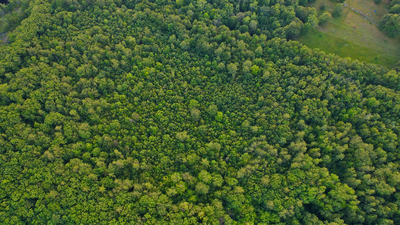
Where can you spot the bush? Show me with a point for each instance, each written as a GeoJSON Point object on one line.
{"type": "Point", "coordinates": [303, 2]}
{"type": "Point", "coordinates": [377, 1]}
{"type": "Point", "coordinates": [324, 17]}
{"type": "Point", "coordinates": [337, 11]}
{"type": "Point", "coordinates": [322, 7]}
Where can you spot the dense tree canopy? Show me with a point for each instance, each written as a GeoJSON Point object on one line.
{"type": "Point", "coordinates": [187, 112]}
{"type": "Point", "coordinates": [390, 23]}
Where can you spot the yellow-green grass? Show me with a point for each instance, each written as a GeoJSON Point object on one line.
{"type": "Point", "coordinates": [344, 48]}
{"type": "Point", "coordinates": [317, 5]}
{"type": "Point", "coordinates": [367, 7]}
{"type": "Point", "coordinates": [353, 36]}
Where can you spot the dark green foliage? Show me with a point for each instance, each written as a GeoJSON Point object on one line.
{"type": "Point", "coordinates": [12, 14]}
{"type": "Point", "coordinates": [337, 10]}
{"type": "Point", "coordinates": [395, 9]}
{"type": "Point", "coordinates": [303, 2]}
{"type": "Point", "coordinates": [397, 67]}
{"type": "Point", "coordinates": [131, 112]}
{"type": "Point", "coordinates": [390, 23]}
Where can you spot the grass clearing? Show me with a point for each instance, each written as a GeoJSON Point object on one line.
{"type": "Point", "coordinates": [354, 36]}
{"type": "Point", "coordinates": [368, 7]}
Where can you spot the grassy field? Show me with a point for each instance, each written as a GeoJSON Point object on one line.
{"type": "Point", "coordinates": [353, 36]}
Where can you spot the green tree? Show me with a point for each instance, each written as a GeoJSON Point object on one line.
{"type": "Point", "coordinates": [195, 114]}
{"type": "Point", "coordinates": [232, 69]}
{"type": "Point", "coordinates": [212, 110]}
{"type": "Point", "coordinates": [324, 18]}
{"type": "Point", "coordinates": [202, 188]}
{"type": "Point", "coordinates": [337, 10]}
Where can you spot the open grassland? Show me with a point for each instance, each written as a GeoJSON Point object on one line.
{"type": "Point", "coordinates": [368, 8]}
{"type": "Point", "coordinates": [354, 36]}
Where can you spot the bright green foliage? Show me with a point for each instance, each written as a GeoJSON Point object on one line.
{"type": "Point", "coordinates": [324, 18]}
{"type": "Point", "coordinates": [131, 112]}
{"type": "Point", "coordinates": [232, 69]}
{"type": "Point", "coordinates": [255, 69]}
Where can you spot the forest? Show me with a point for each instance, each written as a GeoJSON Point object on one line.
{"type": "Point", "coordinates": [390, 23]}
{"type": "Point", "coordinates": [189, 112]}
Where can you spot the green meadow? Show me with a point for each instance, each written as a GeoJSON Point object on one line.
{"type": "Point", "coordinates": [352, 35]}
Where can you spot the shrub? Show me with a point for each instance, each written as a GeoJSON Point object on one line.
{"type": "Point", "coordinates": [337, 11]}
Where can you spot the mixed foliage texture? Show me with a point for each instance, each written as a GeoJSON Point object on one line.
{"type": "Point", "coordinates": [390, 23]}
{"type": "Point", "coordinates": [189, 112]}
